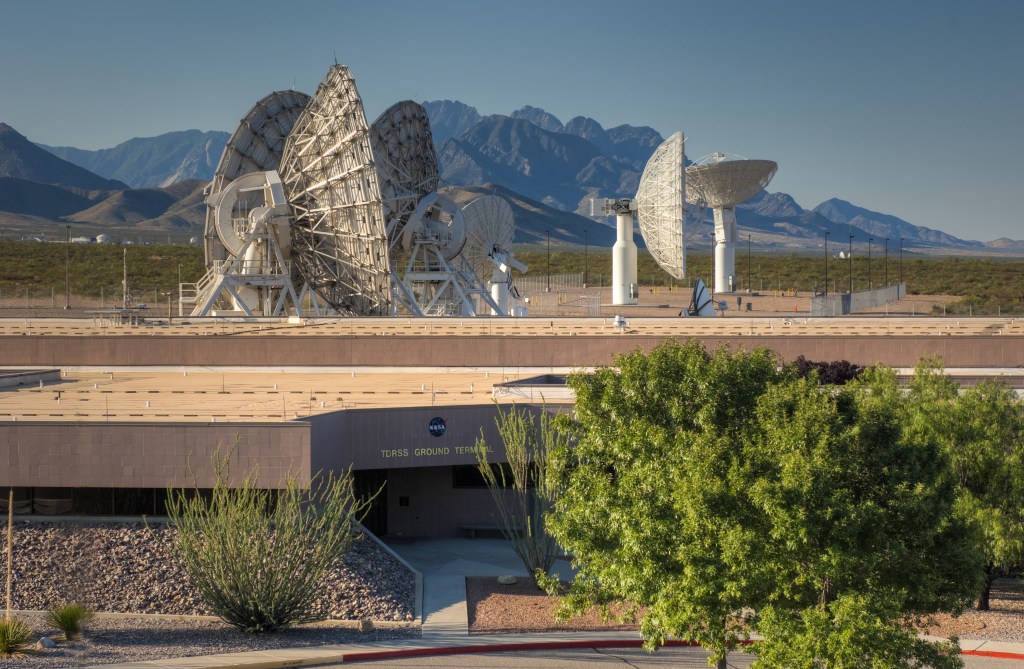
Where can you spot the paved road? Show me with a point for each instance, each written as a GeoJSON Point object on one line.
{"type": "Point", "coordinates": [686, 658]}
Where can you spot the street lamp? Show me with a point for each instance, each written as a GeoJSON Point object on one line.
{"type": "Point", "coordinates": [886, 262]}
{"type": "Point", "coordinates": [548, 233]}
{"type": "Point", "coordinates": [826, 264]}
{"type": "Point", "coordinates": [870, 239]}
{"type": "Point", "coordinates": [850, 258]}
{"type": "Point", "coordinates": [67, 270]}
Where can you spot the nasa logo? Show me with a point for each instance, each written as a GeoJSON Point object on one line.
{"type": "Point", "coordinates": [437, 426]}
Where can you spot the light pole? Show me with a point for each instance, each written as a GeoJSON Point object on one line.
{"type": "Point", "coordinates": [826, 264]}
{"type": "Point", "coordinates": [870, 239]}
{"type": "Point", "coordinates": [850, 258]}
{"type": "Point", "coordinates": [748, 264]}
{"type": "Point", "coordinates": [67, 270]}
{"type": "Point", "coordinates": [901, 260]}
{"type": "Point", "coordinates": [548, 233]}
{"type": "Point", "coordinates": [586, 263]}
{"type": "Point", "coordinates": [886, 262]}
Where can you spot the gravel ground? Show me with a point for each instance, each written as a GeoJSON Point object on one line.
{"type": "Point", "coordinates": [123, 568]}
{"type": "Point", "coordinates": [521, 607]}
{"type": "Point", "coordinates": [518, 608]}
{"type": "Point", "coordinates": [110, 640]}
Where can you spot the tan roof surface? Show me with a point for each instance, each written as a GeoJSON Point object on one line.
{"type": "Point", "coordinates": [525, 327]}
{"type": "Point", "coordinates": [202, 395]}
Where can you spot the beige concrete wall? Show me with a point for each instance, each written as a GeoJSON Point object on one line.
{"type": "Point", "coordinates": [399, 438]}
{"type": "Point", "coordinates": [490, 351]}
{"type": "Point", "coordinates": [436, 509]}
{"type": "Point", "coordinates": [149, 455]}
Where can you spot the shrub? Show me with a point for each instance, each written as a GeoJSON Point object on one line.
{"type": "Point", "coordinates": [14, 636]}
{"type": "Point", "coordinates": [258, 556]}
{"type": "Point", "coordinates": [70, 618]}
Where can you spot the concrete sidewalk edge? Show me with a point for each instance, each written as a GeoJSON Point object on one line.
{"type": "Point", "coordinates": [315, 656]}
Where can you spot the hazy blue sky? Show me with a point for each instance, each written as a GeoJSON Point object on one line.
{"type": "Point", "coordinates": [908, 108]}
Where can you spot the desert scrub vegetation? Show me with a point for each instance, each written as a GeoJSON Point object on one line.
{"type": "Point", "coordinates": [258, 556]}
{"type": "Point", "coordinates": [15, 636]}
{"type": "Point", "coordinates": [987, 286]}
{"type": "Point", "coordinates": [70, 618]}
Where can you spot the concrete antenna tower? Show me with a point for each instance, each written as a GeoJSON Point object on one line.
{"type": "Point", "coordinates": [722, 182]}
{"type": "Point", "coordinates": [659, 207]}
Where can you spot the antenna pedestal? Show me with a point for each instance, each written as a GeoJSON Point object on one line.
{"type": "Point", "coordinates": [725, 249]}
{"type": "Point", "coordinates": [624, 288]}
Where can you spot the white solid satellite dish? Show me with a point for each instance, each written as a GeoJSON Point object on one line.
{"type": "Point", "coordinates": [722, 182]}
{"type": "Point", "coordinates": [339, 241]}
{"type": "Point", "coordinates": [488, 250]}
{"type": "Point", "coordinates": [255, 146]}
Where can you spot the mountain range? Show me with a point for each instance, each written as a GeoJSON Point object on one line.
{"type": "Point", "coordinates": [549, 171]}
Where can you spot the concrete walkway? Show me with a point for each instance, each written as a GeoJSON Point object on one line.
{"type": "Point", "coordinates": [445, 564]}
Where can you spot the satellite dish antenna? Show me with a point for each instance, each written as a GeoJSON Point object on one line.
{"type": "Point", "coordinates": [701, 304]}
{"type": "Point", "coordinates": [488, 249]}
{"type": "Point", "coordinates": [660, 207]}
{"type": "Point", "coordinates": [246, 235]}
{"type": "Point", "coordinates": [339, 241]}
{"type": "Point", "coordinates": [251, 217]}
{"type": "Point", "coordinates": [403, 150]}
{"type": "Point", "coordinates": [256, 145]}
{"type": "Point", "coordinates": [722, 182]}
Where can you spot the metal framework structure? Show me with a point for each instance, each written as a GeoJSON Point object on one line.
{"type": "Point", "coordinates": [721, 183]}
{"type": "Point", "coordinates": [660, 207]}
{"type": "Point", "coordinates": [403, 150]}
{"type": "Point", "coordinates": [255, 146]}
{"type": "Point", "coordinates": [339, 241]}
{"type": "Point", "coordinates": [251, 218]}
{"type": "Point", "coordinates": [488, 252]}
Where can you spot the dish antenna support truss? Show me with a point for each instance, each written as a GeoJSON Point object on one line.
{"type": "Point", "coordinates": [434, 281]}
{"type": "Point", "coordinates": [250, 217]}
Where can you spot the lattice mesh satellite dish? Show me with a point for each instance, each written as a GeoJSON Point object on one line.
{"type": "Point", "coordinates": [339, 241]}
{"type": "Point", "coordinates": [403, 149]}
{"type": "Point", "coordinates": [660, 205]}
{"type": "Point", "coordinates": [488, 251]}
{"type": "Point", "coordinates": [255, 146]}
{"type": "Point", "coordinates": [722, 182]}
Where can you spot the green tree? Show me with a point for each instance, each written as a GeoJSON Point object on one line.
{"type": "Point", "coordinates": [258, 556]}
{"type": "Point", "coordinates": [522, 490]}
{"type": "Point", "coordinates": [862, 533]}
{"type": "Point", "coordinates": [724, 496]}
{"type": "Point", "coordinates": [650, 504]}
{"type": "Point", "coordinates": [981, 429]}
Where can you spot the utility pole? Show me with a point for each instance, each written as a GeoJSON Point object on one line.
{"type": "Point", "coordinates": [870, 239]}
{"type": "Point", "coordinates": [548, 233]}
{"type": "Point", "coordinates": [749, 283]}
{"type": "Point", "coordinates": [886, 262]}
{"type": "Point", "coordinates": [826, 263]}
{"type": "Point", "coordinates": [586, 262]}
{"type": "Point", "coordinates": [67, 270]}
{"type": "Point", "coordinates": [901, 260]}
{"type": "Point", "coordinates": [851, 266]}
